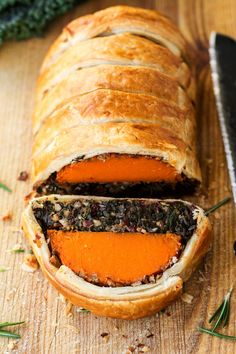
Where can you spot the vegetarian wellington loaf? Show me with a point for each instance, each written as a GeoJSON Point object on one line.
{"type": "Point", "coordinates": [115, 108]}
{"type": "Point", "coordinates": [115, 117]}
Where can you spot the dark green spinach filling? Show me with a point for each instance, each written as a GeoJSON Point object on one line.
{"type": "Point", "coordinates": [120, 190]}
{"type": "Point", "coordinates": [117, 215]}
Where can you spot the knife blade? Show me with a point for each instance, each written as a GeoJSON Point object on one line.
{"type": "Point", "coordinates": [222, 51]}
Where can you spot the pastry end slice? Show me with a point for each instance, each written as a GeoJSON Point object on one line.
{"type": "Point", "coordinates": [122, 258]}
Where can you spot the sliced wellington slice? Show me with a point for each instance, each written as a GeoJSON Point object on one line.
{"type": "Point", "coordinates": [124, 258]}
{"type": "Point", "coordinates": [117, 19]}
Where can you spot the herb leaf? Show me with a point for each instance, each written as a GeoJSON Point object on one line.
{"type": "Point", "coordinates": [217, 206]}
{"type": "Point", "coordinates": [222, 317]}
{"type": "Point", "coordinates": [3, 269]}
{"type": "Point", "coordinates": [216, 312]}
{"type": "Point", "coordinates": [9, 334]}
{"type": "Point", "coordinates": [3, 186]}
{"type": "Point", "coordinates": [19, 250]}
{"type": "Point", "coordinates": [223, 309]}
{"type": "Point", "coordinates": [216, 334]}
{"type": "Point", "coordinates": [226, 316]}
{"type": "Point", "coordinates": [8, 324]}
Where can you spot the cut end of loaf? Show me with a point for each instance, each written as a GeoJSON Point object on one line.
{"type": "Point", "coordinates": [98, 278]}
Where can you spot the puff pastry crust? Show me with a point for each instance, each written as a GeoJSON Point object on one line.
{"type": "Point", "coordinates": [120, 19]}
{"type": "Point", "coordinates": [129, 302]}
{"type": "Point", "coordinates": [118, 81]}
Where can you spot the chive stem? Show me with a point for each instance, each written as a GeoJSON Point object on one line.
{"type": "Point", "coordinates": [217, 206]}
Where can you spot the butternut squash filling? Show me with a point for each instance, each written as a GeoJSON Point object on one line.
{"type": "Point", "coordinates": [118, 168]}
{"type": "Point", "coordinates": [115, 257]}
{"type": "Point", "coordinates": [118, 175]}
{"type": "Point", "coordinates": [115, 242]}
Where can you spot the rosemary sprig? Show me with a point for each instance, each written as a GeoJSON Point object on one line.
{"type": "Point", "coordinates": [8, 334]}
{"type": "Point", "coordinates": [8, 324]}
{"type": "Point", "coordinates": [3, 186]}
{"type": "Point", "coordinates": [221, 317]}
{"type": "Point", "coordinates": [18, 250]}
{"type": "Point", "coordinates": [223, 311]}
{"type": "Point", "coordinates": [217, 206]}
{"type": "Point", "coordinates": [216, 334]}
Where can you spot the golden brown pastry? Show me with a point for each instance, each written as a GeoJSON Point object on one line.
{"type": "Point", "coordinates": [123, 258]}
{"type": "Point", "coordinates": [115, 108]}
{"type": "Point", "coordinates": [121, 19]}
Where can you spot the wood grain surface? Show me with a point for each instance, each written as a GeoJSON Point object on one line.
{"type": "Point", "coordinates": [29, 297]}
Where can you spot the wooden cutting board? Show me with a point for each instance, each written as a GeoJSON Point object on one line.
{"type": "Point", "coordinates": [28, 296]}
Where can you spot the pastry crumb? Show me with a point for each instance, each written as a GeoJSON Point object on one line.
{"type": "Point", "coordinates": [13, 345]}
{"type": "Point", "coordinates": [105, 336]}
{"type": "Point", "coordinates": [68, 309]}
{"type": "Point", "coordinates": [7, 216]}
{"type": "Point", "coordinates": [145, 349]}
{"type": "Point", "coordinates": [10, 293]}
{"type": "Point", "coordinates": [209, 161]}
{"type": "Point", "coordinates": [30, 263]}
{"type": "Point", "coordinates": [213, 185]}
{"type": "Point", "coordinates": [61, 298]}
{"type": "Point", "coordinates": [37, 240]}
{"type": "Point", "coordinates": [54, 260]}
{"type": "Point", "coordinates": [185, 297]}
{"type": "Point", "coordinates": [217, 215]}
{"type": "Point", "coordinates": [23, 176]}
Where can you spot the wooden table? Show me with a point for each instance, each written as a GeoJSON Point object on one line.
{"type": "Point", "coordinates": [29, 297]}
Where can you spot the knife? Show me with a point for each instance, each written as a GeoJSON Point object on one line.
{"type": "Point", "coordinates": [222, 51]}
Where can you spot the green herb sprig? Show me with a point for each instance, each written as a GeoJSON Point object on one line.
{"type": "Point", "coordinates": [17, 250]}
{"type": "Point", "coordinates": [20, 250]}
{"type": "Point", "coordinates": [217, 205]}
{"type": "Point", "coordinates": [3, 186]}
{"type": "Point", "coordinates": [8, 334]}
{"type": "Point", "coordinates": [4, 269]}
{"type": "Point", "coordinates": [220, 318]}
